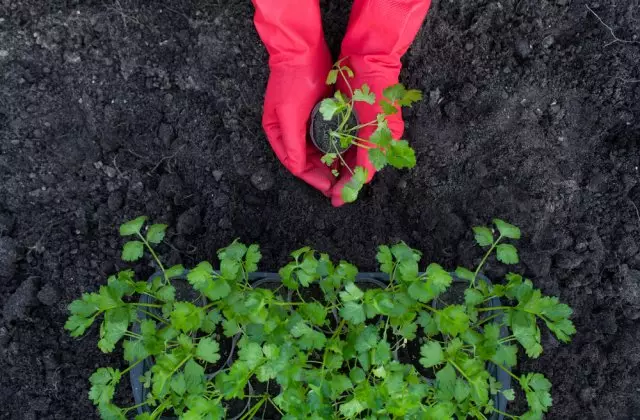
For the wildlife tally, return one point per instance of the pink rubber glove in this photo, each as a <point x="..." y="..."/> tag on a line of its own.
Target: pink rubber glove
<point x="378" y="35"/>
<point x="299" y="61"/>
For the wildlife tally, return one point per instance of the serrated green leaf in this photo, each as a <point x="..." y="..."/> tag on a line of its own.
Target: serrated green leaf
<point x="509" y="394"/>
<point x="394" y="92"/>
<point x="132" y="227"/>
<point x="506" y="355"/>
<point x="328" y="108"/>
<point x="400" y="155"/>
<point x="103" y="382"/>
<point x="252" y="258"/>
<point x="537" y="388"/>
<point x="208" y="350"/>
<point x="132" y="251"/>
<point x="507" y="254"/>
<point x="156" y="233"/>
<point x="186" y="316"/>
<point x="134" y="350"/>
<point x="377" y="158"/>
<point x="507" y="229"/>
<point x="473" y="297"/>
<point x="332" y="77"/>
<point x="352" y="188"/>
<point x="452" y="320"/>
<point x="382" y="136"/>
<point x="353" y="312"/>
<point x="461" y="390"/>
<point x="385" y="259"/>
<point x="410" y="97"/>
<point x="339" y="384"/>
<point x="352" y="407"/>
<point x="387" y="107"/>
<point x="351" y="293"/>
<point x="329" y="158"/>
<point x="464" y="274"/>
<point x="178" y="383"/>
<point x="364" y="94"/>
<point x="431" y="353"/>
<point x="175" y="271"/>
<point x="483" y="235"/>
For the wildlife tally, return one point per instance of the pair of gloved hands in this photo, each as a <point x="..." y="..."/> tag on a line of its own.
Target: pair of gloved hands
<point x="378" y="34"/>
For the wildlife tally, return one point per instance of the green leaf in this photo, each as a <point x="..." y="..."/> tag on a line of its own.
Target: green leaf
<point x="208" y="350"/>
<point x="103" y="382"/>
<point x="387" y="107"/>
<point x="352" y="408"/>
<point x="526" y="332"/>
<point x="110" y="411"/>
<point x="452" y="320"/>
<point x="134" y="350"/>
<point x="351" y="293"/>
<point x="378" y="158"/>
<point x="385" y="259"/>
<point x="332" y="77"/>
<point x="156" y="232"/>
<point x="382" y="136"/>
<point x="364" y="94"/>
<point x="175" y="271"/>
<point x="483" y="235"/>
<point x="464" y="274"/>
<point x="354" y="185"/>
<point x="314" y="312"/>
<point x="507" y="254"/>
<point x="328" y="158"/>
<point x="328" y="108"/>
<point x="400" y="155"/>
<point x="394" y="92"/>
<point x="166" y="293"/>
<point x="186" y="316"/>
<point x="509" y="394"/>
<point x="506" y="355"/>
<point x="132" y="227"/>
<point x="506" y="229"/>
<point x="77" y="325"/>
<point x="537" y="388"/>
<point x="308" y="337"/>
<point x="132" y="251"/>
<point x="353" y="312"/>
<point x="431" y="353"/>
<point x="461" y="391"/>
<point x="446" y="383"/>
<point x="178" y="384"/>
<point x="473" y="297"/>
<point x="339" y="384"/>
<point x="115" y="324"/>
<point x="252" y="258"/>
<point x="194" y="377"/>
<point x="410" y="97"/>
<point x="348" y="70"/>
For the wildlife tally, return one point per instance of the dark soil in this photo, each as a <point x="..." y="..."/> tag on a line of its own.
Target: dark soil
<point x="111" y="109"/>
<point x="320" y="129"/>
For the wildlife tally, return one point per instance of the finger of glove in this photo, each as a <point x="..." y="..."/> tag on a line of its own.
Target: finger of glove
<point x="302" y="159"/>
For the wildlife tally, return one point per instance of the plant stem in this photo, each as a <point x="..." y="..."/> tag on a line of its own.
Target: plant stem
<point x="131" y="367"/>
<point x="484" y="260"/>
<point x="358" y="127"/>
<point x="147" y="305"/>
<point x="157" y="318"/>
<point x="509" y="372"/>
<point x="504" y="414"/>
<point x="342" y="159"/>
<point x="155" y="256"/>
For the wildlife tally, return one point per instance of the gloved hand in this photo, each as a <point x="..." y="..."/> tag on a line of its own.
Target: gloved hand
<point x="299" y="61"/>
<point x="378" y="35"/>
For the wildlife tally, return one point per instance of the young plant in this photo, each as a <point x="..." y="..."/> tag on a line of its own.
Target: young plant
<point x="324" y="345"/>
<point x="382" y="149"/>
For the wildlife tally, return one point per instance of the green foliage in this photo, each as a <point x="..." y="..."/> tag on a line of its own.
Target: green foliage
<point x="381" y="148"/>
<point x="333" y="355"/>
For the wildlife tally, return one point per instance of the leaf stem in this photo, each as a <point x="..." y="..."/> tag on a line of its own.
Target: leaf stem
<point x="484" y="260"/>
<point x="155" y="256"/>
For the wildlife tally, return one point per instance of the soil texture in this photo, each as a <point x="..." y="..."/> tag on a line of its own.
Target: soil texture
<point x="112" y="109"/>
